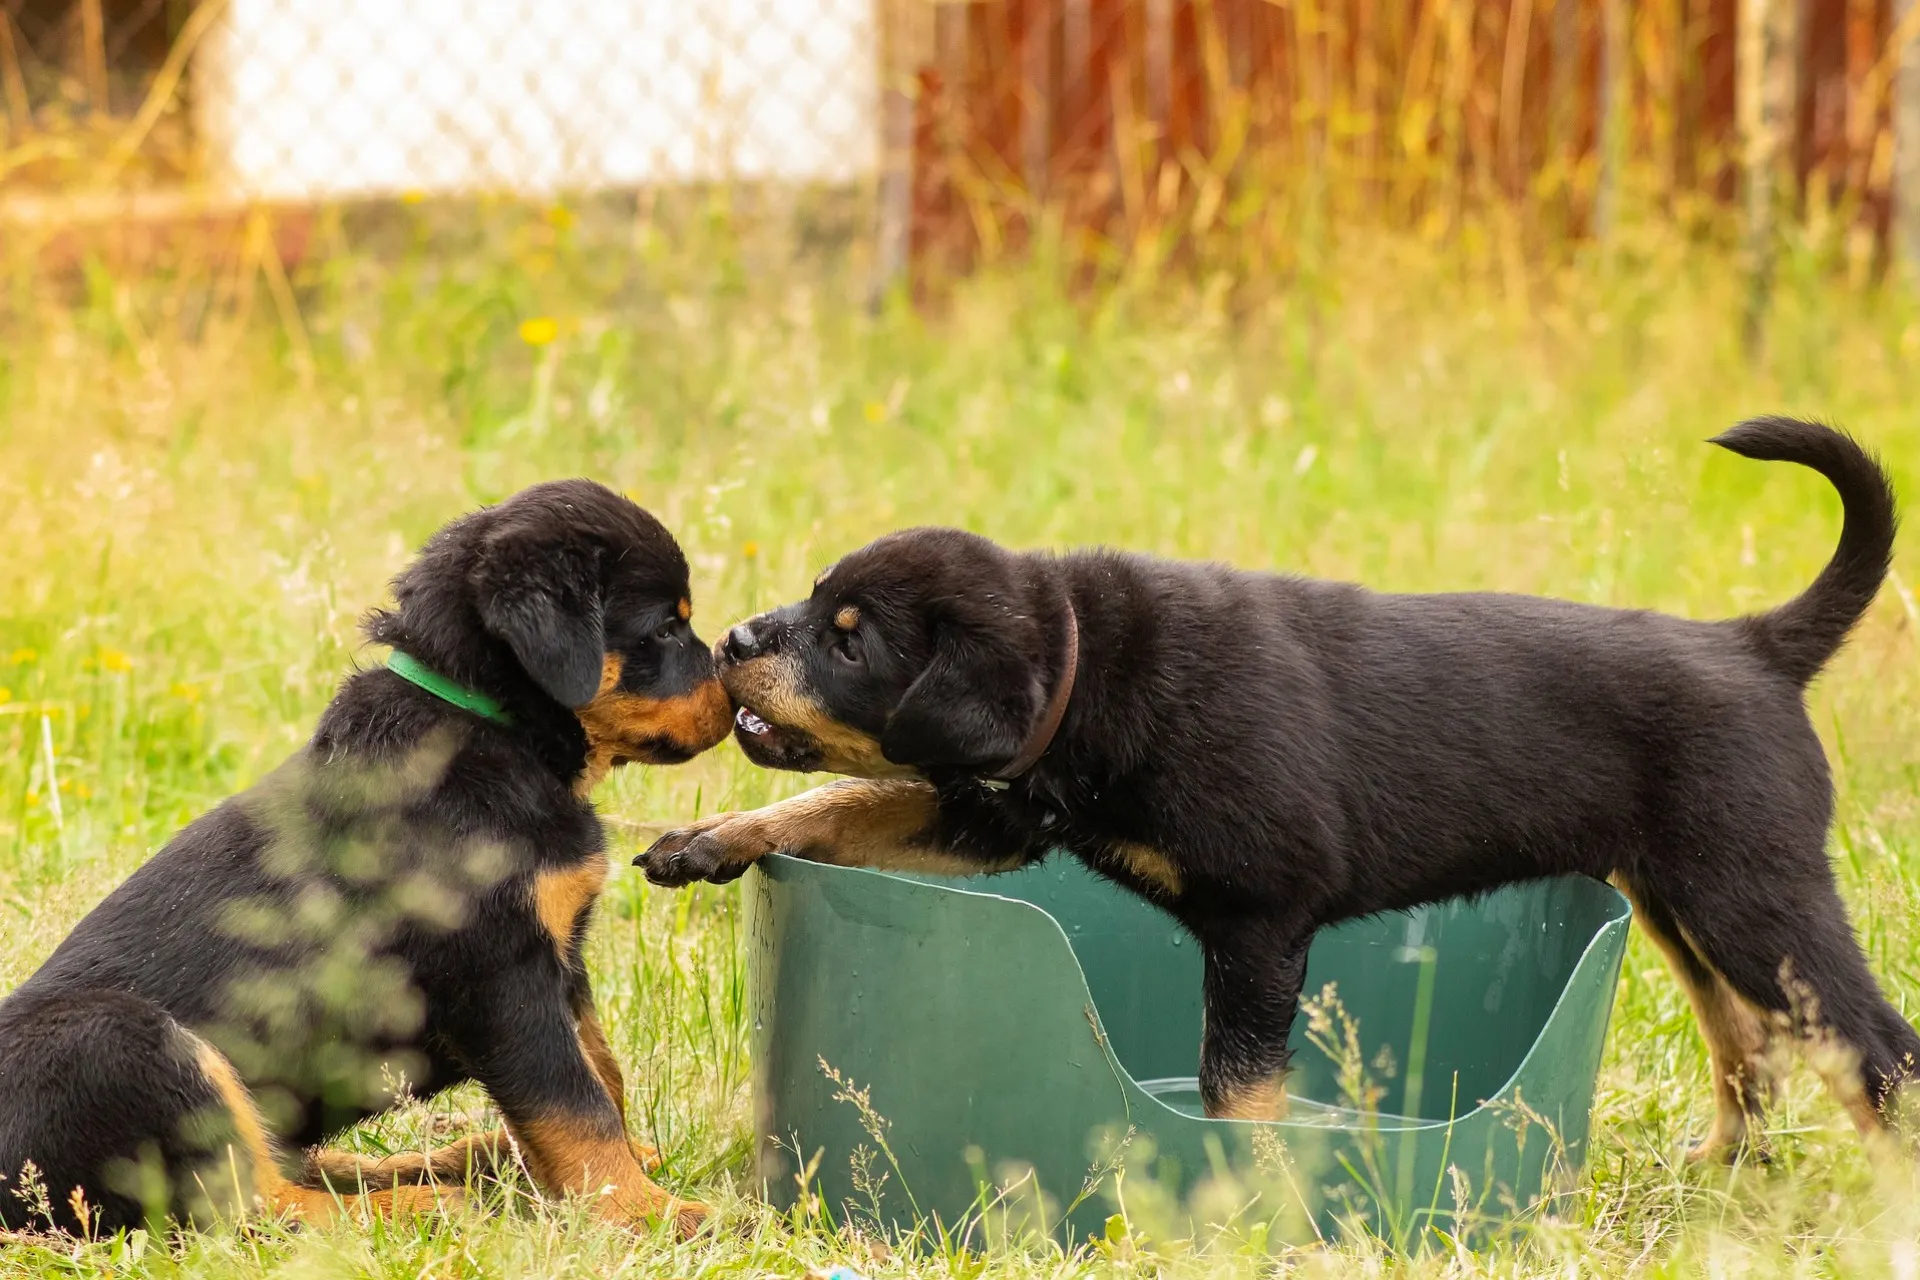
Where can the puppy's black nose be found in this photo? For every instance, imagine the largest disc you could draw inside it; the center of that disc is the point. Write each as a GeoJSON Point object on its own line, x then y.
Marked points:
{"type": "Point", "coordinates": [741, 643]}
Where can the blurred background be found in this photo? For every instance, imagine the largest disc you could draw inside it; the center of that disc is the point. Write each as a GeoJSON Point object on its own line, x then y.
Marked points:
{"type": "Point", "coordinates": [962, 129]}
{"type": "Point", "coordinates": [1428, 294]}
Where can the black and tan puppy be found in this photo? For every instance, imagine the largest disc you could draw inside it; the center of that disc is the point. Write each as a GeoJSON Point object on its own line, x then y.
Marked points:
{"type": "Point", "coordinates": [400, 906]}
{"type": "Point", "coordinates": [1265, 755]}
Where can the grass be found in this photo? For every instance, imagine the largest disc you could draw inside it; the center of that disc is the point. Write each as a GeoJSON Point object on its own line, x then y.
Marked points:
{"type": "Point", "coordinates": [205, 479]}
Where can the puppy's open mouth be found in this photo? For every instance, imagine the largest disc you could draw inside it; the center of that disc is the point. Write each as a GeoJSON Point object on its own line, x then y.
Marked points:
{"type": "Point", "coordinates": [773, 746]}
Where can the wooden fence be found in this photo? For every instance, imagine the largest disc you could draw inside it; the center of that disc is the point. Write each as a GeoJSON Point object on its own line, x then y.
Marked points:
{"type": "Point", "coordinates": [1132, 117]}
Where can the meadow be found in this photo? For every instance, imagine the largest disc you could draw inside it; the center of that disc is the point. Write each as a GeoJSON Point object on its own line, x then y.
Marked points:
{"type": "Point", "coordinates": [208, 475]}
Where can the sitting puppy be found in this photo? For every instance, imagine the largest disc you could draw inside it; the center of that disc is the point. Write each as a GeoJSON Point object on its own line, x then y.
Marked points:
{"type": "Point", "coordinates": [1265, 755]}
{"type": "Point", "coordinates": [401, 905]}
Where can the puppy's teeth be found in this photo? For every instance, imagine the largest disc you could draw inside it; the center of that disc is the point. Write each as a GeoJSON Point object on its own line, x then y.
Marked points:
{"type": "Point", "coordinates": [750, 722]}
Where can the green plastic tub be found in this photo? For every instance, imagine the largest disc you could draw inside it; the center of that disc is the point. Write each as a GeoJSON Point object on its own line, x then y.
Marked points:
{"type": "Point", "coordinates": [1019, 1051]}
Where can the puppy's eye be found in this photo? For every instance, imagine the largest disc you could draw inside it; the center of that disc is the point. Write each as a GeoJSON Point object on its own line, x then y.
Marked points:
{"type": "Point", "coordinates": [847, 647]}
{"type": "Point", "coordinates": [667, 632]}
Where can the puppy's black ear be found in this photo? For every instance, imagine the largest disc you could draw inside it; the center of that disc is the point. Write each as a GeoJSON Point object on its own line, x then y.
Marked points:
{"type": "Point", "coordinates": [971, 709]}
{"type": "Point", "coordinates": [541, 594]}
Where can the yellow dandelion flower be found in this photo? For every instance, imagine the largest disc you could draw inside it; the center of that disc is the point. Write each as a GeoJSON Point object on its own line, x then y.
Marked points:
{"type": "Point", "coordinates": [876, 411]}
{"type": "Point", "coordinates": [21, 657]}
{"type": "Point", "coordinates": [560, 217]}
{"type": "Point", "coordinates": [6, 695]}
{"type": "Point", "coordinates": [538, 331]}
{"type": "Point", "coordinates": [84, 791]}
{"type": "Point", "coordinates": [412, 195]}
{"type": "Point", "coordinates": [185, 692]}
{"type": "Point", "coordinates": [751, 550]}
{"type": "Point", "coordinates": [33, 798]}
{"type": "Point", "coordinates": [115, 660]}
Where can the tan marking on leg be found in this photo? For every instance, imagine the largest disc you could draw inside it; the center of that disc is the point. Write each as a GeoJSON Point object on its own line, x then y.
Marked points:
{"type": "Point", "coordinates": [561, 897]}
{"type": "Point", "coordinates": [1853, 1096]}
{"type": "Point", "coordinates": [1838, 1067]}
{"type": "Point", "coordinates": [771, 685]}
{"type": "Point", "coordinates": [623, 727]}
{"type": "Point", "coordinates": [1263, 1100]}
{"type": "Point", "coordinates": [851, 823]}
{"type": "Point", "coordinates": [480, 1155]}
{"type": "Point", "coordinates": [320, 1206]}
{"type": "Point", "coordinates": [1147, 864]}
{"type": "Point", "coordinates": [1737, 1039]}
{"type": "Point", "coordinates": [1737, 1034]}
{"type": "Point", "coordinates": [262, 1180]}
{"type": "Point", "coordinates": [599, 1056]}
{"type": "Point", "coordinates": [567, 1157]}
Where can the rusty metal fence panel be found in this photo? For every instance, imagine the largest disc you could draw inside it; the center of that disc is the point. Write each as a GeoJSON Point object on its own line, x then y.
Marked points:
{"type": "Point", "coordinates": [1128, 117]}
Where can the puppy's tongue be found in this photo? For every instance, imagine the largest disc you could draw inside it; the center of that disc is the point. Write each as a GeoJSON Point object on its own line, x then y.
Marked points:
{"type": "Point", "coordinates": [751, 723]}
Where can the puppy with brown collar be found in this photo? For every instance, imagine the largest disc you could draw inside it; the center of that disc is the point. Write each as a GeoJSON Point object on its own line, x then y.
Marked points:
{"type": "Point", "coordinates": [401, 906]}
{"type": "Point", "coordinates": [1264, 755]}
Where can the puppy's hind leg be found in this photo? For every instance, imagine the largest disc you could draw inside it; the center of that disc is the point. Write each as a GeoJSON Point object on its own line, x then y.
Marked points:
{"type": "Point", "coordinates": [253, 1170]}
{"type": "Point", "coordinates": [1737, 1034]}
{"type": "Point", "coordinates": [129, 1118]}
{"type": "Point", "coordinates": [1784, 944]}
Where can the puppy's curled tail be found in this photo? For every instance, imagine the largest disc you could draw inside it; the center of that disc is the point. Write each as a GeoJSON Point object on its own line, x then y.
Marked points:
{"type": "Point", "coordinates": [1800, 636]}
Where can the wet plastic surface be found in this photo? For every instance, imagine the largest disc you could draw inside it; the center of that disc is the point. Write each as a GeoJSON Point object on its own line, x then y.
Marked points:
{"type": "Point", "coordinates": [1013, 1030]}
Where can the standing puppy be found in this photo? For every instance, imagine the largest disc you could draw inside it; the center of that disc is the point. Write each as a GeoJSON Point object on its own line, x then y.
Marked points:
{"type": "Point", "coordinates": [1265, 755]}
{"type": "Point", "coordinates": [400, 906]}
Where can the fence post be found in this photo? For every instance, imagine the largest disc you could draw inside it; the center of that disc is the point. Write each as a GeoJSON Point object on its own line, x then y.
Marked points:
{"type": "Point", "coordinates": [1906, 145]}
{"type": "Point", "coordinates": [1768, 33]}
{"type": "Point", "coordinates": [901, 49]}
{"type": "Point", "coordinates": [1610, 114]}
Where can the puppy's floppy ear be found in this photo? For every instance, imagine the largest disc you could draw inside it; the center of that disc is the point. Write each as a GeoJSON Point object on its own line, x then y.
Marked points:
{"type": "Point", "coordinates": [541, 594]}
{"type": "Point", "coordinates": [972, 707]}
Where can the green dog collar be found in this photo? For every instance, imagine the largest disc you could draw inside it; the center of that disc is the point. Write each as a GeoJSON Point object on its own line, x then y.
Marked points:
{"type": "Point", "coordinates": [410, 669]}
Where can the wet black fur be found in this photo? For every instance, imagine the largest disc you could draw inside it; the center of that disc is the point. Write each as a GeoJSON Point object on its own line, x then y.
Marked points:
{"type": "Point", "coordinates": [422, 824]}
{"type": "Point", "coordinates": [1306, 752]}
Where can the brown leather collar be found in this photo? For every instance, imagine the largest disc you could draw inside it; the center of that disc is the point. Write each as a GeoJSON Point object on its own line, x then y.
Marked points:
{"type": "Point", "coordinates": [1042, 736]}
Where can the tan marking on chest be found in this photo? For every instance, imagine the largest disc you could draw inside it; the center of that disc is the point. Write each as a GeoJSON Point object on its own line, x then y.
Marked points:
{"type": "Point", "coordinates": [1146, 863]}
{"type": "Point", "coordinates": [561, 897]}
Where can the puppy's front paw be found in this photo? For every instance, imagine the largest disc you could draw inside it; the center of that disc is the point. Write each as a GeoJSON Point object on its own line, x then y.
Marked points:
{"type": "Point", "coordinates": [716, 849]}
